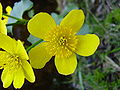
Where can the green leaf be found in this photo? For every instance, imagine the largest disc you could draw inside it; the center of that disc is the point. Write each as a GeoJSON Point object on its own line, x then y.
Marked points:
{"type": "Point", "coordinates": [84, 30]}
{"type": "Point", "coordinates": [18, 10]}
{"type": "Point", "coordinates": [57, 17]}
{"type": "Point", "coordinates": [31, 13]}
{"type": "Point", "coordinates": [32, 39]}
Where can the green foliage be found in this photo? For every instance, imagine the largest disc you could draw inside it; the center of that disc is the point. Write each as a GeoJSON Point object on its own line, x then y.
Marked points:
{"type": "Point", "coordinates": [95, 72]}
{"type": "Point", "coordinates": [113, 17]}
{"type": "Point", "coordinates": [84, 30]}
{"type": "Point", "coordinates": [31, 13]}
{"type": "Point", "coordinates": [18, 11]}
{"type": "Point", "coordinates": [32, 39]}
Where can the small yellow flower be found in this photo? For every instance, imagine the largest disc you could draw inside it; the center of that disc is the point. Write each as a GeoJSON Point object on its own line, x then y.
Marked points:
{"type": "Point", "coordinates": [5, 20]}
{"type": "Point", "coordinates": [8, 10]}
{"type": "Point", "coordinates": [13, 59]}
{"type": "Point", "coordinates": [61, 41]}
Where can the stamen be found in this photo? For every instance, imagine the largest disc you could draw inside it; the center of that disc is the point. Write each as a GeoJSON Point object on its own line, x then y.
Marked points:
{"type": "Point", "coordinates": [61, 41]}
{"type": "Point", "coordinates": [9, 61]}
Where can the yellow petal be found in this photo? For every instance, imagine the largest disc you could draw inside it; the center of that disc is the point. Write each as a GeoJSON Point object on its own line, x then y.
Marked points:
{"type": "Point", "coordinates": [18, 78]}
{"type": "Point", "coordinates": [20, 51]}
{"type": "Point", "coordinates": [3, 28]}
{"type": "Point", "coordinates": [8, 10]}
{"type": "Point", "coordinates": [39, 56]}
{"type": "Point", "coordinates": [67, 65]}
{"type": "Point", "coordinates": [40, 24]}
{"type": "Point", "coordinates": [7, 43]}
{"type": "Point", "coordinates": [7, 77]}
{"type": "Point", "coordinates": [87, 44]}
{"type": "Point", "coordinates": [1, 11]}
{"type": "Point", "coordinates": [4, 58]}
{"type": "Point", "coordinates": [74, 19]}
{"type": "Point", "coordinates": [28, 71]}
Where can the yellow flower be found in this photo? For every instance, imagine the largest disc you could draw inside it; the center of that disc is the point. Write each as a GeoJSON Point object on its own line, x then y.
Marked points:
{"type": "Point", "coordinates": [8, 10]}
{"type": "Point", "coordinates": [5, 20]}
{"type": "Point", "coordinates": [61, 41]}
{"type": "Point", "coordinates": [13, 59]}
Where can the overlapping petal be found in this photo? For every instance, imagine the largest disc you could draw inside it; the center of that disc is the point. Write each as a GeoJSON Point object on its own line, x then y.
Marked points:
{"type": "Point", "coordinates": [39, 56]}
{"type": "Point", "coordinates": [20, 51]}
{"type": "Point", "coordinates": [67, 65]}
{"type": "Point", "coordinates": [87, 44]}
{"type": "Point", "coordinates": [18, 78]}
{"type": "Point", "coordinates": [28, 71]}
{"type": "Point", "coordinates": [40, 24]}
{"type": "Point", "coordinates": [73, 19]}
{"type": "Point", "coordinates": [7, 43]}
{"type": "Point", "coordinates": [7, 77]}
{"type": "Point", "coordinates": [3, 28]}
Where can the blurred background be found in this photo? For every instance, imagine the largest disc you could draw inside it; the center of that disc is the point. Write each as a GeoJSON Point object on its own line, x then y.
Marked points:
{"type": "Point", "coordinates": [100, 71]}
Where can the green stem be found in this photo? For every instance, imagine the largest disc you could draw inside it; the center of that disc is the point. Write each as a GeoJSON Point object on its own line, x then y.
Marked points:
{"type": "Point", "coordinates": [114, 50]}
{"type": "Point", "coordinates": [33, 45]}
{"type": "Point", "coordinates": [15, 18]}
{"type": "Point", "coordinates": [10, 24]}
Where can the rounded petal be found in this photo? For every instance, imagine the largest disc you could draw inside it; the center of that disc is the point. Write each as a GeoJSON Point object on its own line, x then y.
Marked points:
{"type": "Point", "coordinates": [40, 24]}
{"type": "Point", "coordinates": [18, 78]}
{"type": "Point", "coordinates": [20, 50]}
{"type": "Point", "coordinates": [1, 11]}
{"type": "Point", "coordinates": [28, 71]}
{"type": "Point", "coordinates": [74, 19]}
{"type": "Point", "coordinates": [3, 28]}
{"type": "Point", "coordinates": [7, 77]}
{"type": "Point", "coordinates": [87, 44]}
{"type": "Point", "coordinates": [66, 66]}
{"type": "Point", "coordinates": [7, 43]}
{"type": "Point", "coordinates": [39, 56]}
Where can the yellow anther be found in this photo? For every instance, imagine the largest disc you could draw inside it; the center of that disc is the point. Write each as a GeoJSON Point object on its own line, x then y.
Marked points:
{"type": "Point", "coordinates": [62, 40]}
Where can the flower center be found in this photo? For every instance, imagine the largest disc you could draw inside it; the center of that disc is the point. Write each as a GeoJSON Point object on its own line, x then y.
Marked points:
{"type": "Point", "coordinates": [61, 41]}
{"type": "Point", "coordinates": [9, 61]}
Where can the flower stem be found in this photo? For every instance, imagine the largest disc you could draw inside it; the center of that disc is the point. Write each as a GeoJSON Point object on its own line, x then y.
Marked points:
{"type": "Point", "coordinates": [15, 18]}
{"type": "Point", "coordinates": [33, 45]}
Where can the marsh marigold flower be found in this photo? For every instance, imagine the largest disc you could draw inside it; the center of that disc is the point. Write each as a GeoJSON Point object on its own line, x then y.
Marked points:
{"type": "Point", "coordinates": [60, 41]}
{"type": "Point", "coordinates": [13, 61]}
{"type": "Point", "coordinates": [4, 21]}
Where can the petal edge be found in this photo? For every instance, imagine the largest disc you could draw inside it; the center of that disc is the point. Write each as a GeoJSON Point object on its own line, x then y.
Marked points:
{"type": "Point", "coordinates": [40, 24]}
{"type": "Point", "coordinates": [66, 66]}
{"type": "Point", "coordinates": [87, 44]}
{"type": "Point", "coordinates": [74, 19]}
{"type": "Point", "coordinates": [39, 56]}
